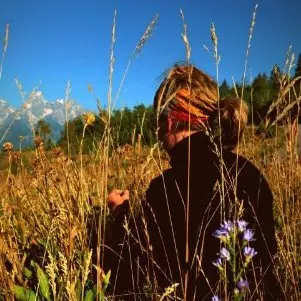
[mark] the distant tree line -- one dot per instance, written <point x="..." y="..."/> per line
<point x="264" y="90"/>
<point x="128" y="125"/>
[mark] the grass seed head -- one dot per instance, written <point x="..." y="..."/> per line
<point x="8" y="147"/>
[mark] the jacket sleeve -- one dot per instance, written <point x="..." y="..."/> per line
<point x="121" y="251"/>
<point x="124" y="251"/>
<point x="115" y="234"/>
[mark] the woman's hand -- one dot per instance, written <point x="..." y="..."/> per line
<point x="117" y="197"/>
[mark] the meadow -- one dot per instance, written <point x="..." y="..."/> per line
<point x="47" y="198"/>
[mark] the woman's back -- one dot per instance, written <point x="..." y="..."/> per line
<point x="166" y="208"/>
<point x="171" y="240"/>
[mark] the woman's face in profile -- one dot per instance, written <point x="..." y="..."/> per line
<point x="162" y="130"/>
<point x="164" y="133"/>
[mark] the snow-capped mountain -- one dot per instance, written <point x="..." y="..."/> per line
<point x="5" y="110"/>
<point x="19" y="121"/>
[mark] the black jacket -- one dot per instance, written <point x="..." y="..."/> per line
<point x="200" y="187"/>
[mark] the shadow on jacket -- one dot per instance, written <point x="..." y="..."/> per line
<point x="147" y="251"/>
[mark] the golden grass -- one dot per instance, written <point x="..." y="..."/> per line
<point x="46" y="202"/>
<point x="47" y="199"/>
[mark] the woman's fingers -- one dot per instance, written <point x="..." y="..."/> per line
<point x="125" y="195"/>
<point x="117" y="197"/>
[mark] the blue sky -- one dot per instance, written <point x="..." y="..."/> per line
<point x="51" y="42"/>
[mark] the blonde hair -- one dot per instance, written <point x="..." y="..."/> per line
<point x="231" y="122"/>
<point x="190" y="97"/>
<point x="186" y="88"/>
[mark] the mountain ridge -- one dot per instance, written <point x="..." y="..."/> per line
<point x="16" y="122"/>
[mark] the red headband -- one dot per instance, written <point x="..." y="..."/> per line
<point x="184" y="117"/>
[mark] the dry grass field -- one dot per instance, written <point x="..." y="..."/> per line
<point x="48" y="197"/>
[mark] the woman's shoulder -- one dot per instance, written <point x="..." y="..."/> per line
<point x="250" y="179"/>
<point x="240" y="164"/>
<point x="160" y="181"/>
<point x="159" y="185"/>
<point x="249" y="176"/>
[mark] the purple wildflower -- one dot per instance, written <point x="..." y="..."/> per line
<point x="215" y="298"/>
<point x="248" y="235"/>
<point x="227" y="226"/>
<point x="218" y="263"/>
<point x="223" y="233"/>
<point x="225" y="253"/>
<point x="242" y="225"/>
<point x="249" y="252"/>
<point x="242" y="284"/>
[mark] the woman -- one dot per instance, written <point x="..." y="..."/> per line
<point x="170" y="240"/>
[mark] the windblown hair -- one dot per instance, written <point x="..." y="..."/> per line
<point x="187" y="90"/>
<point x="190" y="98"/>
<point x="229" y="121"/>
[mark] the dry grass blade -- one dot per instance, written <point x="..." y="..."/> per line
<point x="185" y="37"/>
<point x="146" y="36"/>
<point x="290" y="58"/>
<point x="67" y="96"/>
<point x="282" y="94"/>
<point x="215" y="42"/>
<point x="137" y="51"/>
<point x="187" y="211"/>
<point x="111" y="66"/>
<point x="285" y="111"/>
<point x="46" y="204"/>
<point x="5" y="44"/>
<point x="251" y="31"/>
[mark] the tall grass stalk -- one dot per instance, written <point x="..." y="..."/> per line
<point x="67" y="97"/>
<point x="251" y="32"/>
<point x="137" y="51"/>
<point x="187" y="204"/>
<point x="4" y="49"/>
<point x="47" y="201"/>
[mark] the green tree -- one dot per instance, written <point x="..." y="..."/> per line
<point x="275" y="82"/>
<point x="44" y="130"/>
<point x="224" y="89"/>
<point x="261" y="96"/>
<point x="71" y="134"/>
<point x="145" y="123"/>
<point x="122" y="126"/>
<point x="126" y="126"/>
